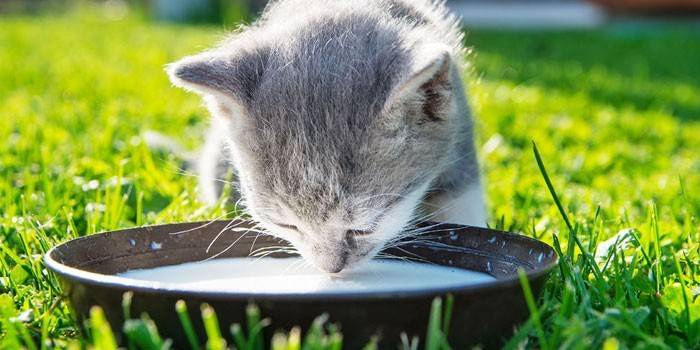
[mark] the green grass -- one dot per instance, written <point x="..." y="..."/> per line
<point x="615" y="115"/>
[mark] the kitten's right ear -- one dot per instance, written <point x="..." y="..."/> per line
<point x="234" y="76"/>
<point x="199" y="74"/>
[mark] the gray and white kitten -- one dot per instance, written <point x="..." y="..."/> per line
<point x="344" y="121"/>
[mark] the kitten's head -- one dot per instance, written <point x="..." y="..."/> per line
<point x="335" y="140"/>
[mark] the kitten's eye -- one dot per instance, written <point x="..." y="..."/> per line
<point x="288" y="227"/>
<point x="357" y="233"/>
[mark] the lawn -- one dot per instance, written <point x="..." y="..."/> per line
<point x="615" y="114"/>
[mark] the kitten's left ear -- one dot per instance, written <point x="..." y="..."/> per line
<point x="427" y="91"/>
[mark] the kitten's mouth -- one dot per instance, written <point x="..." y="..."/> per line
<point x="339" y="264"/>
<point x="347" y="261"/>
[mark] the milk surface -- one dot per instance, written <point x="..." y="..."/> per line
<point x="293" y="275"/>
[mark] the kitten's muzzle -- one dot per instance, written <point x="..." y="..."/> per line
<point x="337" y="263"/>
<point x="330" y="261"/>
<point x="333" y="257"/>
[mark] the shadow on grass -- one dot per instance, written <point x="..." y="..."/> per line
<point x="653" y="68"/>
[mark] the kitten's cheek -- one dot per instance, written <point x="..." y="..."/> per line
<point x="362" y="256"/>
<point x="296" y="243"/>
<point x="367" y="252"/>
<point x="276" y="232"/>
<point x="285" y="236"/>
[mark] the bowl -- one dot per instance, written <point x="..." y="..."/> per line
<point x="485" y="313"/>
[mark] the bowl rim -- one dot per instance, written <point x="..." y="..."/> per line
<point x="99" y="280"/>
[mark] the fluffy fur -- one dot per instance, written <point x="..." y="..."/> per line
<point x="344" y="120"/>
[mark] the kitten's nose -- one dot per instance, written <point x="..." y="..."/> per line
<point x="336" y="268"/>
<point x="337" y="263"/>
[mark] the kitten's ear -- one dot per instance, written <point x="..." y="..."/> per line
<point x="214" y="74"/>
<point x="200" y="73"/>
<point x="427" y="91"/>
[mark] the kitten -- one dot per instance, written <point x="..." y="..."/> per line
<point x="344" y="121"/>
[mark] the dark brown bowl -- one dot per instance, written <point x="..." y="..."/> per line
<point x="483" y="313"/>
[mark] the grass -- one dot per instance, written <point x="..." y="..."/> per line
<point x="615" y="115"/>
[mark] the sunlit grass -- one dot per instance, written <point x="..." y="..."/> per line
<point x="615" y="114"/>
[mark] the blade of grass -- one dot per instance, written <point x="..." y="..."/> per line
<point x="432" y="337"/>
<point x="186" y="322"/>
<point x="211" y="325"/>
<point x="540" y="164"/>
<point x="522" y="334"/>
<point x="294" y="339"/>
<point x="534" y="311"/>
<point x="126" y="311"/>
<point x="658" y="272"/>
<point x="447" y="316"/>
<point x="686" y="311"/>
<point x="238" y="336"/>
<point x="254" y="327"/>
<point x="126" y="304"/>
<point x="102" y="335"/>
<point x="572" y="230"/>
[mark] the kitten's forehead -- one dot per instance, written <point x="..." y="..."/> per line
<point x="334" y="69"/>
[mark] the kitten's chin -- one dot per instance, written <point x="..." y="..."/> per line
<point x="358" y="264"/>
<point x="329" y="266"/>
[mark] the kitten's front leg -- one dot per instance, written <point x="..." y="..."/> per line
<point x="467" y="207"/>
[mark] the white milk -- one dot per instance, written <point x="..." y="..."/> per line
<point x="292" y="275"/>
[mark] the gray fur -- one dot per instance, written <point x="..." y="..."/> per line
<point x="339" y="116"/>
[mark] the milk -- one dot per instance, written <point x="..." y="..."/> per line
<point x="293" y="275"/>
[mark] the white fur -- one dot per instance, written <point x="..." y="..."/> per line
<point x="396" y="219"/>
<point x="467" y="208"/>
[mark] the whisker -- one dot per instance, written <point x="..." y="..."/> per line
<point x="432" y="213"/>
<point x="241" y="229"/>
<point x="227" y="227"/>
<point x="272" y="252"/>
<point x="225" y="250"/>
<point x="411" y="260"/>
<point x="229" y="246"/>
<point x="252" y="245"/>
<point x="262" y="249"/>
<point x="295" y="265"/>
<point x="415" y="231"/>
<point x="278" y="250"/>
<point x="381" y="195"/>
<point x="412" y="233"/>
<point x="306" y="263"/>
<point x="410" y="253"/>
<point x="203" y="225"/>
<point x="183" y="172"/>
